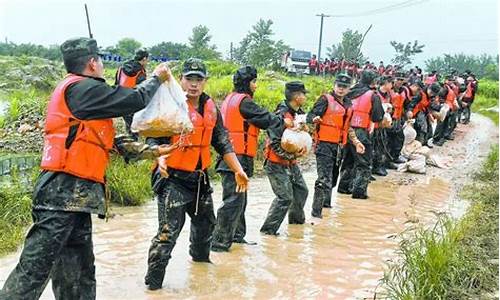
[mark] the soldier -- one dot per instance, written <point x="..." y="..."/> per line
<point x="331" y="114"/>
<point x="395" y="135"/>
<point x="129" y="75"/>
<point x="180" y="180"/>
<point x="243" y="118"/>
<point x="367" y="109"/>
<point x="281" y="167"/>
<point x="78" y="134"/>
<point x="380" y="153"/>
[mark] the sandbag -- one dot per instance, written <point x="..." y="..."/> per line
<point x="166" y="114"/>
<point x="296" y="138"/>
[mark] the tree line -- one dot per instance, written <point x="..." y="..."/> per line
<point x="261" y="49"/>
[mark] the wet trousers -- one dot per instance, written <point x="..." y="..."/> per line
<point x="291" y="194"/>
<point x="355" y="171"/>
<point x="380" y="156"/>
<point x="328" y="173"/>
<point x="395" y="138"/>
<point x="58" y="246"/>
<point x="230" y="226"/>
<point x="171" y="217"/>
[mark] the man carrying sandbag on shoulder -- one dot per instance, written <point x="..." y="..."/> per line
<point x="281" y="166"/>
<point x="180" y="181"/>
<point x="332" y="115"/>
<point x="78" y="135"/>
<point x="243" y="118"/>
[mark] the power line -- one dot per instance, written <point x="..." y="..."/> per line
<point x="384" y="9"/>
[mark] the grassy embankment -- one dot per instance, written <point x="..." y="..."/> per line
<point x="455" y="259"/>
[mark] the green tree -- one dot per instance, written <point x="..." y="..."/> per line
<point x="404" y="52"/>
<point x="349" y="48"/>
<point x="126" y="47"/>
<point x="483" y="65"/>
<point x="169" y="50"/>
<point x="258" y="49"/>
<point x="200" y="44"/>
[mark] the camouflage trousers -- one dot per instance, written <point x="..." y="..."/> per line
<point x="355" y="171"/>
<point x="291" y="194"/>
<point x="395" y="139"/>
<point x="58" y="246"/>
<point x="231" y="225"/>
<point x="380" y="156"/>
<point x="328" y="173"/>
<point x="172" y="210"/>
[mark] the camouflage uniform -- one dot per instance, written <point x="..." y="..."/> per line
<point x="184" y="192"/>
<point x="59" y="243"/>
<point x="286" y="180"/>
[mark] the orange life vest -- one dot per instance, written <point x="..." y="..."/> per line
<point x="361" y="109"/>
<point x="469" y="92"/>
<point x="196" y="144"/>
<point x="397" y="103"/>
<point x="87" y="156"/>
<point x="450" y="98"/>
<point x="335" y="122"/>
<point x="128" y="81"/>
<point x="244" y="141"/>
<point x="422" y="105"/>
<point x="270" y="155"/>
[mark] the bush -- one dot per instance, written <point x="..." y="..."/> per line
<point x="129" y="184"/>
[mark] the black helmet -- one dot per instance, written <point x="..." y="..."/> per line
<point x="244" y="75"/>
<point x="242" y="78"/>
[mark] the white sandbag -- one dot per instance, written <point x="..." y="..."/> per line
<point x="417" y="165"/>
<point x="166" y="114"/>
<point x="294" y="139"/>
<point x="443" y="112"/>
<point x="409" y="132"/>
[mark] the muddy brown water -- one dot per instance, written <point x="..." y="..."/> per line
<point x="341" y="256"/>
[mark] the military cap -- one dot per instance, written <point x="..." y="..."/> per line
<point x="194" y="66"/>
<point x="295" y="86"/>
<point x="79" y="47"/>
<point x="343" y="80"/>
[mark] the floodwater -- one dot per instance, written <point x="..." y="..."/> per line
<point x="341" y="256"/>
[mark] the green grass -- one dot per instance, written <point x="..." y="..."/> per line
<point x="15" y="210"/>
<point x="130" y="184"/>
<point x="486" y="100"/>
<point x="452" y="260"/>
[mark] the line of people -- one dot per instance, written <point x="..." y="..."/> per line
<point x="357" y="131"/>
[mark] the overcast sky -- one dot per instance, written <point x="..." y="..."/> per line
<point x="443" y="26"/>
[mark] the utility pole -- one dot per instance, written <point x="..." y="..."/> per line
<point x="231" y="52"/>
<point x="88" y="21"/>
<point x="321" y="33"/>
